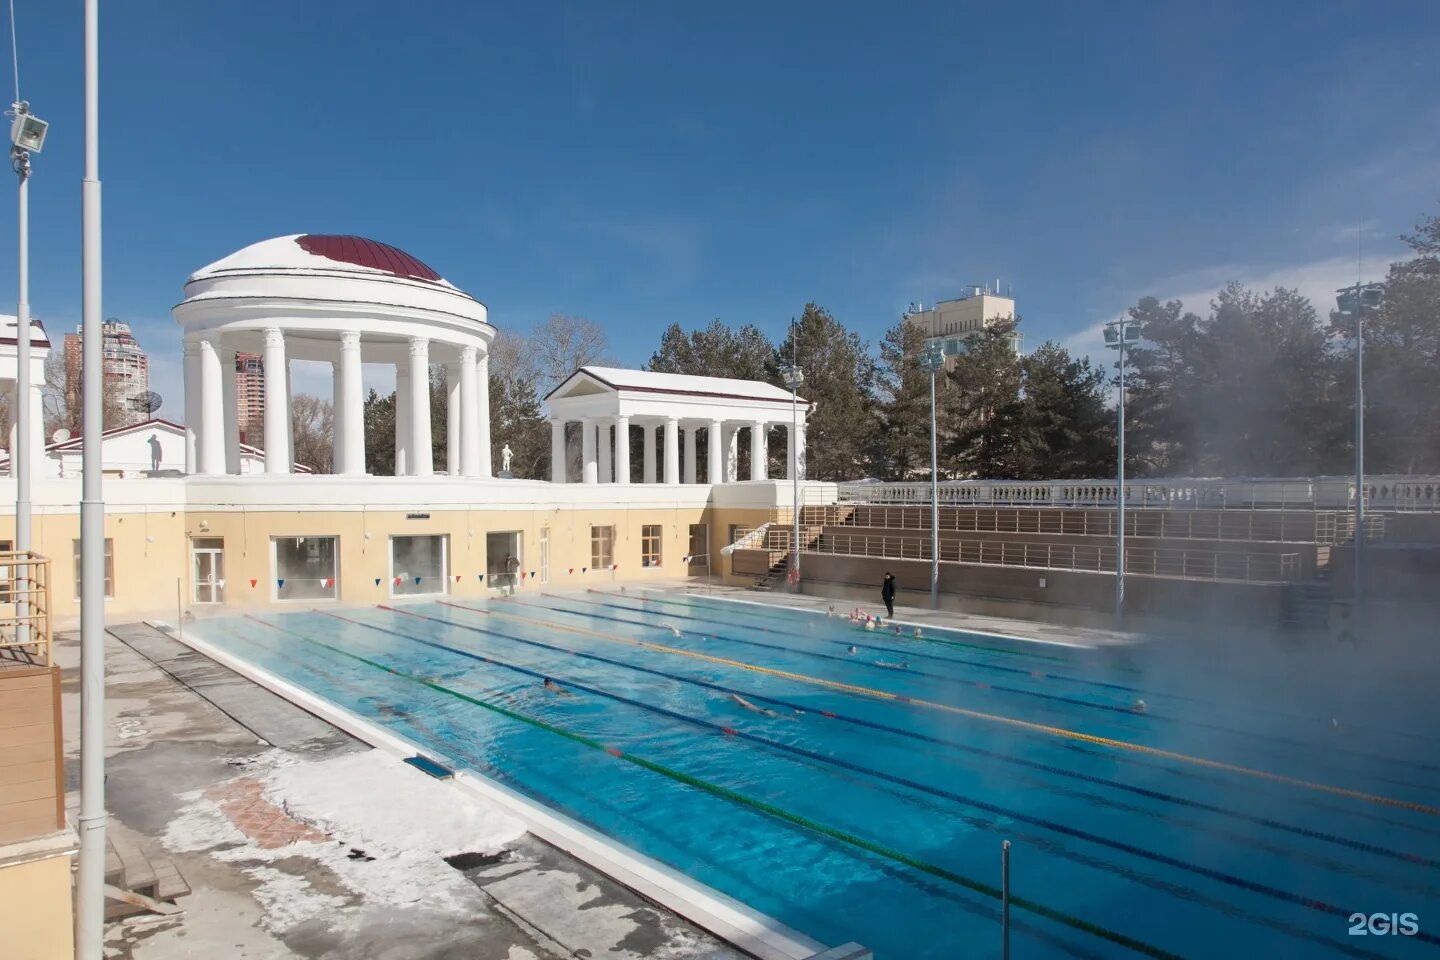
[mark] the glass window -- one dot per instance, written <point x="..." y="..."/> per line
<point x="737" y="531"/>
<point x="602" y="547"/>
<point x="417" y="565"/>
<point x="307" y="568"/>
<point x="109" y="568"/>
<point x="650" y="545"/>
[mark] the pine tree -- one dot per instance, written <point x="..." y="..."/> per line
<point x="1065" y="429"/>
<point x="839" y="380"/>
<point x="903" y="401"/>
<point x="981" y="418"/>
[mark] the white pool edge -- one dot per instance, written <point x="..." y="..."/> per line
<point x="722" y="915"/>
<point x="904" y="623"/>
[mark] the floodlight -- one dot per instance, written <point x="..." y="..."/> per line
<point x="28" y="132"/>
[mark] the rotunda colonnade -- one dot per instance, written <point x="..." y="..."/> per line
<point x="346" y="301"/>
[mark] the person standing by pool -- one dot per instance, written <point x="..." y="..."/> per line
<point x="887" y="593"/>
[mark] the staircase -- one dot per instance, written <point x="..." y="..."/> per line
<point x="139" y="878"/>
<point x="779" y="542"/>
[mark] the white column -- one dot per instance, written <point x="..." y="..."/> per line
<point x="558" y="456"/>
<point x="289" y="416"/>
<point x="758" y="452"/>
<point x="789" y="452"/>
<point x="210" y="441"/>
<point x="800" y="452"/>
<point x="469" y="415"/>
<point x="714" y="448"/>
<point x="232" y="410"/>
<point x="403" y="467"/>
<point x="37" y="425"/>
<point x="192" y="400"/>
<point x="607" y="469"/>
<point x="648" y="449"/>
<point x="589" y="470"/>
<point x="622" y="449"/>
<point x="690" y="454"/>
<point x="277" y="407"/>
<point x="672" y="450"/>
<point x="482" y="409"/>
<point x="732" y="454"/>
<point x="420" y="447"/>
<point x="349" y="408"/>
<point x="452" y="419"/>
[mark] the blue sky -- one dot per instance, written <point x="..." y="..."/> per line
<point x="643" y="163"/>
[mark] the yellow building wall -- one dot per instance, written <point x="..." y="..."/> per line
<point x="153" y="567"/>
<point x="38" y="922"/>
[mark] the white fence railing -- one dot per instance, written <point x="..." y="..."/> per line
<point x="1388" y="493"/>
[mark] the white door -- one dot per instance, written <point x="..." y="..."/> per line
<point x="208" y="569"/>
<point x="545" y="555"/>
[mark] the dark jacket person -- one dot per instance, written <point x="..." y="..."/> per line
<point x="887" y="593"/>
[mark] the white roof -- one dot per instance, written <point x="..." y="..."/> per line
<point x="648" y="381"/>
<point x="9" y="323"/>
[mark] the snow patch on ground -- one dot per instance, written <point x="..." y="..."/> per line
<point x="403" y="821"/>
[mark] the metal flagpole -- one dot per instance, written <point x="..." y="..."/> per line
<point x="22" y="464"/>
<point x="90" y="884"/>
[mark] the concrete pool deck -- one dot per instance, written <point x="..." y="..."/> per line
<point x="296" y="840"/>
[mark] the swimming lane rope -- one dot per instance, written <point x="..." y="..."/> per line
<point x="1062" y="732"/>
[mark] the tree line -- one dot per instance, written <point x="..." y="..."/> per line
<point x="1259" y="384"/>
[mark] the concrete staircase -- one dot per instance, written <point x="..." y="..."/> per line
<point x="139" y="878"/>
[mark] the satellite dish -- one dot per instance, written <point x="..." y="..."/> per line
<point x="147" y="402"/>
<point x="61" y="435"/>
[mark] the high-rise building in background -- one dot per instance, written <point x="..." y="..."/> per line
<point x="126" y="369"/>
<point x="250" y="397"/>
<point x="950" y="322"/>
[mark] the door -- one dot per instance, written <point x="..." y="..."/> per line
<point x="208" y="569"/>
<point x="545" y="555"/>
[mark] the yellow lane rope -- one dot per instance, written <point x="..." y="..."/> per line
<point x="975" y="714"/>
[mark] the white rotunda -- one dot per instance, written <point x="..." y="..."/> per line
<point x="346" y="301"/>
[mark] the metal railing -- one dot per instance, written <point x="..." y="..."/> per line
<point x="1253" y="525"/>
<point x="1143" y="561"/>
<point x="1383" y="493"/>
<point x="25" y="609"/>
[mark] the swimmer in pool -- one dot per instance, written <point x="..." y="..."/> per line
<point x="1138" y="706"/>
<point x="918" y="634"/>
<point x="893" y="664"/>
<point x="853" y="649"/>
<point x="674" y="630"/>
<point x="751" y="707"/>
<point x="550" y="686"/>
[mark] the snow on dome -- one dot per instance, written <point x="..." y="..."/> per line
<point x="319" y="253"/>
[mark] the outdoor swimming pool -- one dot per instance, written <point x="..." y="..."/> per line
<point x="869" y="801"/>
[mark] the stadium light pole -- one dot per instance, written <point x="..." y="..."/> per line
<point x="90" y="880"/>
<point x="1118" y="335"/>
<point x="1353" y="302"/>
<point x="793" y="379"/>
<point x="27" y="136"/>
<point x="932" y="359"/>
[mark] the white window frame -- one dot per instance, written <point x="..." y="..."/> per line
<point x="109" y="565"/>
<point x="659" y="529"/>
<point x="444" y="567"/>
<point x="275" y="568"/>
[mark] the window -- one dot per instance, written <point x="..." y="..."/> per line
<point x="737" y="531"/>
<point x="6" y="546"/>
<point x="699" y="544"/>
<point x="306" y="568"/>
<point x="109" y="568"/>
<point x="602" y="547"/>
<point x="417" y="565"/>
<point x="650" y="545"/>
<point x="544" y="554"/>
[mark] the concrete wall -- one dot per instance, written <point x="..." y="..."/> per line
<point x="38" y="920"/>
<point x="153" y="570"/>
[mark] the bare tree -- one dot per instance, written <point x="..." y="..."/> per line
<point x="563" y="343"/>
<point x="314" y="421"/>
<point x="62" y="401"/>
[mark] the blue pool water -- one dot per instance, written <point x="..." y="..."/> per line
<point x="869" y="801"/>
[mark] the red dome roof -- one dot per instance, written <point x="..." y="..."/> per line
<point x="366" y="253"/>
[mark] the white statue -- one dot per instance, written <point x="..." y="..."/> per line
<point x="505" y="456"/>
